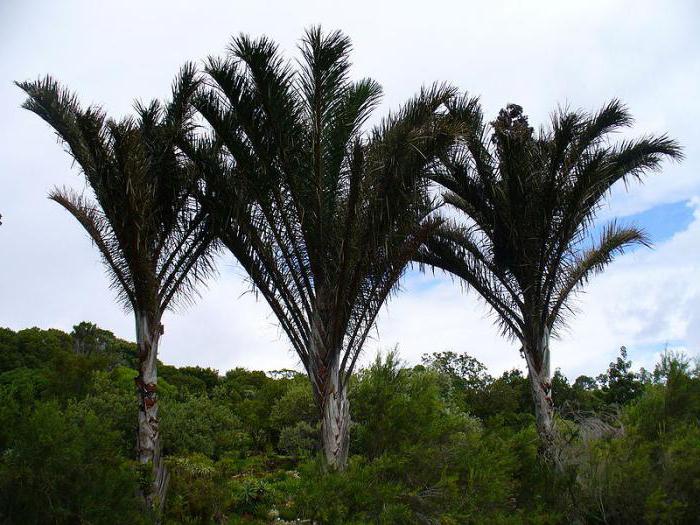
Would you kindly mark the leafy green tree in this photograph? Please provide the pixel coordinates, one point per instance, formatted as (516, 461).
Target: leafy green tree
(681, 395)
(467, 371)
(191, 379)
(252, 396)
(507, 401)
(91, 341)
(649, 473)
(397, 406)
(49, 357)
(585, 383)
(23, 385)
(416, 458)
(466, 380)
(59, 466)
(620, 384)
(529, 201)
(154, 239)
(31, 348)
(562, 391)
(199, 424)
(323, 217)
(295, 405)
(111, 394)
(299, 440)
(86, 339)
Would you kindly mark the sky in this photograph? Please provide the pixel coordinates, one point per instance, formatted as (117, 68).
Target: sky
(540, 55)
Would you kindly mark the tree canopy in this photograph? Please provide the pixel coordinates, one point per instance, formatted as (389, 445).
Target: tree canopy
(323, 216)
(526, 205)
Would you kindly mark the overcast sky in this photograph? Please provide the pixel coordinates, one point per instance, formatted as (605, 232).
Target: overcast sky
(536, 54)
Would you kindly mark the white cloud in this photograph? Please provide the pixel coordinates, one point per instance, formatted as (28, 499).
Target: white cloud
(432, 314)
(227, 328)
(644, 300)
(538, 55)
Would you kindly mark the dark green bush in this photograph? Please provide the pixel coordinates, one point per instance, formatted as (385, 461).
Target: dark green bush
(62, 466)
(442, 442)
(200, 425)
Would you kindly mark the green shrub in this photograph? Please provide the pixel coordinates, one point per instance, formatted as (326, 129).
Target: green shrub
(200, 425)
(300, 440)
(442, 442)
(61, 466)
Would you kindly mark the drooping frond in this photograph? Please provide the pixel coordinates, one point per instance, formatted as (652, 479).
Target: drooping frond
(151, 232)
(529, 200)
(614, 240)
(92, 219)
(323, 217)
(463, 253)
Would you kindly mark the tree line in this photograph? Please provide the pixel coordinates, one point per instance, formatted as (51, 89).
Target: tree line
(272, 161)
(443, 441)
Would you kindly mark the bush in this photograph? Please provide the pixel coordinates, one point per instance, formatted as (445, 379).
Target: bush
(651, 473)
(200, 425)
(60, 466)
(443, 442)
(300, 440)
(416, 458)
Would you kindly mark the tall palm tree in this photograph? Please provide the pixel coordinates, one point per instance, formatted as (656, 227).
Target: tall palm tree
(153, 237)
(530, 200)
(323, 217)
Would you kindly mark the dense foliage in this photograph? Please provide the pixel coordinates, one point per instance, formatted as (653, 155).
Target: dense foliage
(527, 203)
(273, 160)
(441, 442)
(141, 214)
(322, 214)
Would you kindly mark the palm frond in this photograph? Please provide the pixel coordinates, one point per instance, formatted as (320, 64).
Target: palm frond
(614, 240)
(149, 228)
(322, 216)
(531, 200)
(98, 228)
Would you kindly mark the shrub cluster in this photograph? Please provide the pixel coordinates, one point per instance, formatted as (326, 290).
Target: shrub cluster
(441, 442)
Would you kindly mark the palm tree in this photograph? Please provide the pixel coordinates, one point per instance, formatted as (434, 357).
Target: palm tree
(153, 237)
(530, 200)
(322, 217)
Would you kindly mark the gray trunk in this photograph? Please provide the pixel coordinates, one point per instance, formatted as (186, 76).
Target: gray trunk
(541, 389)
(331, 398)
(335, 422)
(148, 447)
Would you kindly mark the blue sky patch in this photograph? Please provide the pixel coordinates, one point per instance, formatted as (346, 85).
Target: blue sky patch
(662, 222)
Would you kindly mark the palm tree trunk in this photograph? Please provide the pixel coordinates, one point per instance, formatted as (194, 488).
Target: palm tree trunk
(335, 421)
(148, 447)
(541, 389)
(331, 397)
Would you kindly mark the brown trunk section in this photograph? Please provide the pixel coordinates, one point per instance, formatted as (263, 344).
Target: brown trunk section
(331, 397)
(335, 422)
(541, 389)
(148, 447)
